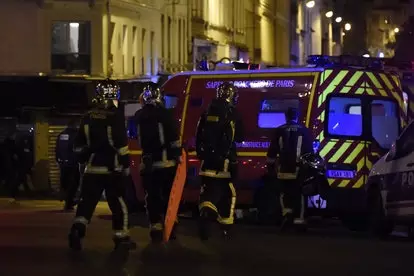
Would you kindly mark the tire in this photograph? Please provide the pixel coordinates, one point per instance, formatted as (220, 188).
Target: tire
(379, 224)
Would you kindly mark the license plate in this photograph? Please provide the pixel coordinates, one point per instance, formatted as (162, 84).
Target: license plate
(340, 174)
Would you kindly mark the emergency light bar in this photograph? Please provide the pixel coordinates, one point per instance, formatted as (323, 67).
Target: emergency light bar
(204, 65)
(345, 60)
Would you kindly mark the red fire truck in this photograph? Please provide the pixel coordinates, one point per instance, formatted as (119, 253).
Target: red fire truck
(354, 108)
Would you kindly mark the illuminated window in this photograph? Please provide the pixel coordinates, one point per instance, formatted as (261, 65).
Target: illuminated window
(272, 112)
(345, 118)
(71, 47)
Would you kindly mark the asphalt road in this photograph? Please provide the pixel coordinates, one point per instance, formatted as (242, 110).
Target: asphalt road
(33, 242)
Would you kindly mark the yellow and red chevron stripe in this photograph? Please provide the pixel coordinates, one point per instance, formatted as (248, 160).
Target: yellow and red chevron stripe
(352, 82)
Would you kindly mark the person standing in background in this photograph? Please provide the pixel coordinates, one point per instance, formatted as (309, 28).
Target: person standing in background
(68, 164)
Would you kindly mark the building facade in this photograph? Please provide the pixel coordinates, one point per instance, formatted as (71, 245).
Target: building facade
(384, 21)
(96, 38)
(256, 31)
(312, 31)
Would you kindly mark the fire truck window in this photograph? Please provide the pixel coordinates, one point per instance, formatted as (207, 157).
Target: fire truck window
(385, 127)
(271, 120)
(343, 120)
(170, 101)
(272, 112)
(278, 105)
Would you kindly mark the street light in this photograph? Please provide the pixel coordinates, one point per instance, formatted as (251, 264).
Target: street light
(396, 30)
(347, 27)
(310, 4)
(338, 19)
(329, 14)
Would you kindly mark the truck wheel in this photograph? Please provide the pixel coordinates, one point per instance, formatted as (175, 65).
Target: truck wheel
(378, 223)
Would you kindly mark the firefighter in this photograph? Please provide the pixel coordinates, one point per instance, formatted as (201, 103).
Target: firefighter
(102, 144)
(217, 131)
(161, 153)
(68, 165)
(289, 142)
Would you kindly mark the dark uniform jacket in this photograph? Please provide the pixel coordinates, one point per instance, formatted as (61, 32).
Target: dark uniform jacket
(102, 141)
(290, 141)
(65, 156)
(229, 165)
(158, 136)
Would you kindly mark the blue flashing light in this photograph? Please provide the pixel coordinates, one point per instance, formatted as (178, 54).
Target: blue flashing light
(345, 60)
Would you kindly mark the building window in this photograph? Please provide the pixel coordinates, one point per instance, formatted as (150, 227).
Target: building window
(179, 41)
(71, 43)
(134, 50)
(143, 49)
(162, 37)
(169, 39)
(152, 54)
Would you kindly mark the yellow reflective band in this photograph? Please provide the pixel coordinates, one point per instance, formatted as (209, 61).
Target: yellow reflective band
(286, 211)
(215, 174)
(286, 175)
(230, 219)
(164, 164)
(207, 204)
(109, 134)
(121, 233)
(212, 118)
(96, 170)
(123, 150)
(156, 226)
(86, 130)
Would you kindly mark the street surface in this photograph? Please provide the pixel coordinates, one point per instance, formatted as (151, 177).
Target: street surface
(33, 242)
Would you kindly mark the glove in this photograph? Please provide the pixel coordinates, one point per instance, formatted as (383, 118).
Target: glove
(126, 171)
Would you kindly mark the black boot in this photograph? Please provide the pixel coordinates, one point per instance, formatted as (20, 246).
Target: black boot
(124, 244)
(76, 234)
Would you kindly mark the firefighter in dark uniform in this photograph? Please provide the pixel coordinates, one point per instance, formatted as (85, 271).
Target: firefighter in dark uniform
(102, 144)
(289, 142)
(161, 153)
(68, 164)
(217, 131)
